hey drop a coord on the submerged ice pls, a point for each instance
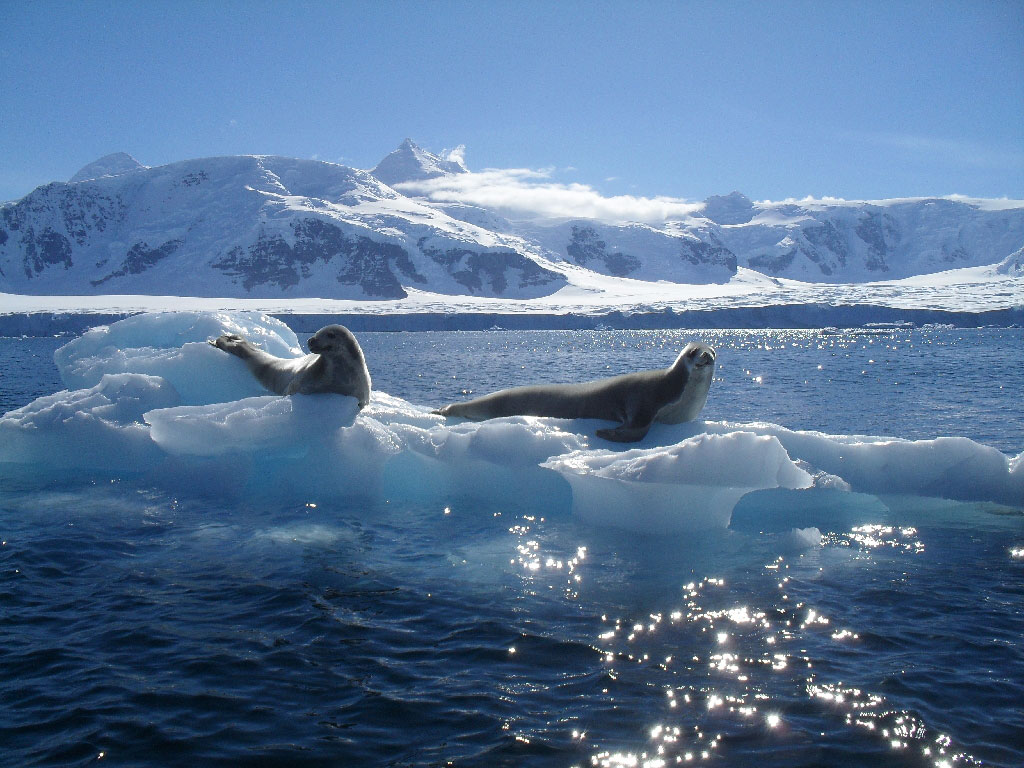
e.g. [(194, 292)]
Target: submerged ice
[(150, 400)]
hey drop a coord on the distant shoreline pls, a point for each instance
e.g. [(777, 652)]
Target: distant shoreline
[(804, 316)]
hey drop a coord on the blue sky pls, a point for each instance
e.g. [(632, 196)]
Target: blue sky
[(859, 100)]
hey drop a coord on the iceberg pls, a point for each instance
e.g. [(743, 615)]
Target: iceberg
[(150, 402), (173, 345), (690, 486), (947, 467), (98, 428), (249, 425)]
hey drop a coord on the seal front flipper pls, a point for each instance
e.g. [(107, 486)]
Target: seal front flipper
[(232, 343)]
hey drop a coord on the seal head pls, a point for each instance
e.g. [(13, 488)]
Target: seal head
[(698, 362)]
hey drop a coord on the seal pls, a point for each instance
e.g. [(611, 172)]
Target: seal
[(636, 400), (335, 365)]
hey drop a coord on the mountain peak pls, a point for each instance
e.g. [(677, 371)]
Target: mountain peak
[(410, 162), (109, 165), (734, 208)]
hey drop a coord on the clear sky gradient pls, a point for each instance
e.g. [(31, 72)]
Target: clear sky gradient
[(860, 100)]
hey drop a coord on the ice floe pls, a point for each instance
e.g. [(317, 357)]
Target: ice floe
[(149, 401)]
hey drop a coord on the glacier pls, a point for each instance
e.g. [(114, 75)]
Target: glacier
[(150, 403)]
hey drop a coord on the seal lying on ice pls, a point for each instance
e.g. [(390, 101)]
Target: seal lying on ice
[(670, 395), (335, 365)]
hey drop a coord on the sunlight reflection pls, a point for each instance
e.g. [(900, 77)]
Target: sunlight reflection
[(740, 647), (875, 536), (669, 744), (900, 729)]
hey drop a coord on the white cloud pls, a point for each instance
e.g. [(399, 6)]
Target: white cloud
[(528, 193), (457, 155), (984, 203)]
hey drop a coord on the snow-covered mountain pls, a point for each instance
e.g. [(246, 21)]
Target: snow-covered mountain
[(263, 226), (812, 241), (857, 241), (1012, 265), (115, 164), (256, 226), (413, 163)]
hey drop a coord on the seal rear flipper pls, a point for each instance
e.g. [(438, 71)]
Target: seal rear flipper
[(627, 433)]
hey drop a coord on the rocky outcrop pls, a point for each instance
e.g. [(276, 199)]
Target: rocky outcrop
[(587, 249), (141, 257), (271, 261), (707, 254), (488, 272)]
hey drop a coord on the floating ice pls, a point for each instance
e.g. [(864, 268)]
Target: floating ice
[(307, 534), (797, 539), (693, 485), (151, 401), (948, 467), (253, 424), (95, 428), (173, 345)]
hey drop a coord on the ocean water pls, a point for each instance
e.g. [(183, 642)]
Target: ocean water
[(143, 628)]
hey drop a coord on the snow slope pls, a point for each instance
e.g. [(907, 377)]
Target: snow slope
[(966, 297)]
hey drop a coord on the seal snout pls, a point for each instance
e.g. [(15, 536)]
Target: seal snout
[(700, 355), (706, 356)]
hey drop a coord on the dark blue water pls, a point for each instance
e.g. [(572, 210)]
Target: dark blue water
[(137, 628)]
